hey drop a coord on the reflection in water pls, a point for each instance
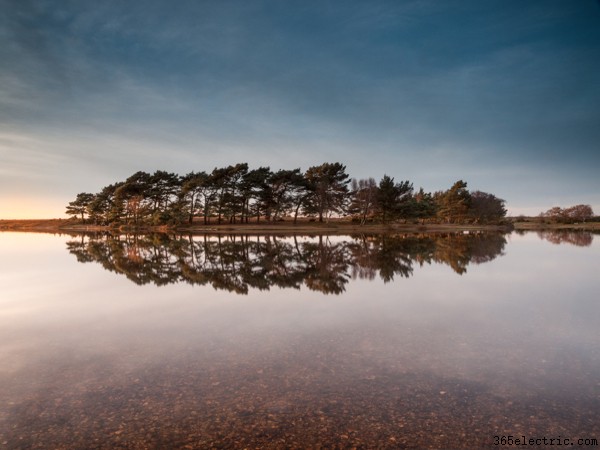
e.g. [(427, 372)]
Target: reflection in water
[(238, 262), (578, 238), (437, 361)]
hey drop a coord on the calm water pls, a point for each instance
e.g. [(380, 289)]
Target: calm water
[(438, 341)]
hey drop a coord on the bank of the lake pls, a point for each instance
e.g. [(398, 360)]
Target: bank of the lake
[(334, 226), (541, 226)]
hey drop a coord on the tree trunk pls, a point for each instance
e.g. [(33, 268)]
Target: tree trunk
[(296, 213)]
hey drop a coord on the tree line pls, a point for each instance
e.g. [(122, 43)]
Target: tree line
[(572, 214), (238, 194), (238, 263)]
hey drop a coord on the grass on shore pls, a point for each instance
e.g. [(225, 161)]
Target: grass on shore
[(34, 224), (303, 226)]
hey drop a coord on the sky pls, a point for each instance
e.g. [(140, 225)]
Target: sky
[(504, 94)]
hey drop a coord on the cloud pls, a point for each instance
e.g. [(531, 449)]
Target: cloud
[(431, 91)]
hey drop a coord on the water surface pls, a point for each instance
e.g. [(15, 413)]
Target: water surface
[(414, 341)]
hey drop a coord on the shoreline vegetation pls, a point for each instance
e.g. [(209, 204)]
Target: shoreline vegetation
[(237, 195), (334, 226), (324, 199)]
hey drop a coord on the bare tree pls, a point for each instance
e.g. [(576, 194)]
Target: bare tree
[(363, 198)]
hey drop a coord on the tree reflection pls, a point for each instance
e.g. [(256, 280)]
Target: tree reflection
[(238, 263), (578, 238)]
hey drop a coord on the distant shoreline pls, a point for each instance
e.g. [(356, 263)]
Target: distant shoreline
[(333, 227)]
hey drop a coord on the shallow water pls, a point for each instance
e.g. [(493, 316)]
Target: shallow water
[(416, 341)]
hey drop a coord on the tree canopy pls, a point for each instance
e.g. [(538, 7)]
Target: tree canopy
[(577, 213), (239, 194)]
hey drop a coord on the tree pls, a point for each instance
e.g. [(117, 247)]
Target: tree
[(298, 191), (227, 181), (486, 207), (101, 207), (392, 198), (363, 198), (219, 178), (79, 206), (235, 203), (163, 188), (254, 192), (579, 213), (285, 186), (422, 205), (194, 185), (328, 187), (556, 213), (453, 204), (131, 198)]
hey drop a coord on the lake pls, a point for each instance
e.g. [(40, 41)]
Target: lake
[(244, 341)]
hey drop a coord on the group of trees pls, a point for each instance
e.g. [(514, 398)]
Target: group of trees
[(577, 213), (238, 263), (237, 194)]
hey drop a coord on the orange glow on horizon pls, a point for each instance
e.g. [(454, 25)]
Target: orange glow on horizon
[(28, 208)]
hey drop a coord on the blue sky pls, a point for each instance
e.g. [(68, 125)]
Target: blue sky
[(503, 94)]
